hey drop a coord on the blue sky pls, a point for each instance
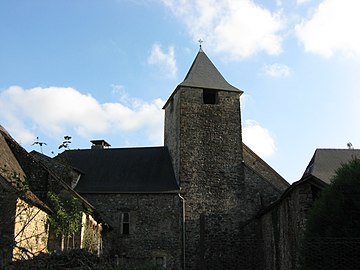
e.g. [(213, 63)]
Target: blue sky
[(96, 69)]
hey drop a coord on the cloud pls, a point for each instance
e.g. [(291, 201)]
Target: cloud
[(300, 2), (332, 28), (57, 111), (277, 70), (258, 139), (238, 28), (166, 61)]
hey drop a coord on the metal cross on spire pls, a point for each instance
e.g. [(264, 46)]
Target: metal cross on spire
[(200, 42)]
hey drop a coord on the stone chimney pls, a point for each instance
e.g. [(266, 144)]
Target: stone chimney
[(99, 144)]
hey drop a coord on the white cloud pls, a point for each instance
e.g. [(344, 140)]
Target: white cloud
[(277, 70), (166, 61), (238, 28), (300, 2), (332, 28), (56, 111), (258, 139)]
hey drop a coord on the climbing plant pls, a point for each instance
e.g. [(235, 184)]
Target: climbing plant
[(66, 220)]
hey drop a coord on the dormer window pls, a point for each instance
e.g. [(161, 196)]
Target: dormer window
[(210, 96)]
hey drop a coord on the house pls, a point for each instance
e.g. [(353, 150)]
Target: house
[(25, 206), (184, 204), (22, 212), (282, 223)]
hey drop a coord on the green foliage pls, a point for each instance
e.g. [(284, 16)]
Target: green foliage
[(337, 212), (334, 219), (66, 219)]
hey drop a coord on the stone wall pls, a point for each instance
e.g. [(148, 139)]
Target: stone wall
[(258, 192), (206, 148), (91, 234), (220, 192), (282, 227), (30, 231), (154, 231)]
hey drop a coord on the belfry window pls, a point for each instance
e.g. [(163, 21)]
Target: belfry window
[(125, 223), (210, 96)]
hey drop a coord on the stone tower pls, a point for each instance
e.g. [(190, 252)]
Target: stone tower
[(203, 134)]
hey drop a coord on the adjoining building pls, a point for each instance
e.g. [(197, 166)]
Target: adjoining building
[(282, 224), (25, 207)]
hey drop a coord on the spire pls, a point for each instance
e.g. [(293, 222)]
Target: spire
[(203, 74)]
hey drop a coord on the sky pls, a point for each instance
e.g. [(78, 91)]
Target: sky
[(103, 69)]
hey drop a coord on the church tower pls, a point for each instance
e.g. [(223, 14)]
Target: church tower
[(203, 134)]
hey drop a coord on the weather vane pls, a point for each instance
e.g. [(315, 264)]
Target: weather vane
[(200, 41)]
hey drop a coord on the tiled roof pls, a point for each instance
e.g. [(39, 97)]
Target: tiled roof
[(123, 170)]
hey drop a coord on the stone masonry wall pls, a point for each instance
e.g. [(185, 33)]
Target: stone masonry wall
[(205, 144), (155, 229), (282, 228), (30, 230)]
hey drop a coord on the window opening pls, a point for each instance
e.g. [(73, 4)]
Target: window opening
[(125, 223), (210, 96)]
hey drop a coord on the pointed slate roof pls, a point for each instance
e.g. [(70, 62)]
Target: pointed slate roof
[(203, 74)]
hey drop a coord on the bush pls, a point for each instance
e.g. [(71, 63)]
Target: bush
[(80, 259), (332, 229)]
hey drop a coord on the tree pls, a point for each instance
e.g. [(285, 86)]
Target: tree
[(332, 234)]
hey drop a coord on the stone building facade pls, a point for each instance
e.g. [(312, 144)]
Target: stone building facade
[(281, 224), (204, 200), (145, 226), (185, 204), (203, 134), (25, 230), (188, 204)]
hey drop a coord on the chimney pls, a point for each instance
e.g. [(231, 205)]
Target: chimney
[(99, 144)]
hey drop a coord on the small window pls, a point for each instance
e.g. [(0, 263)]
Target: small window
[(210, 96), (125, 223)]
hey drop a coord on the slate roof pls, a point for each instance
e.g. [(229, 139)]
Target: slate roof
[(203, 74), (123, 170), (325, 162), (260, 167)]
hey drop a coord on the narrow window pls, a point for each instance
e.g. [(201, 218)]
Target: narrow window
[(125, 223), (210, 96)]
